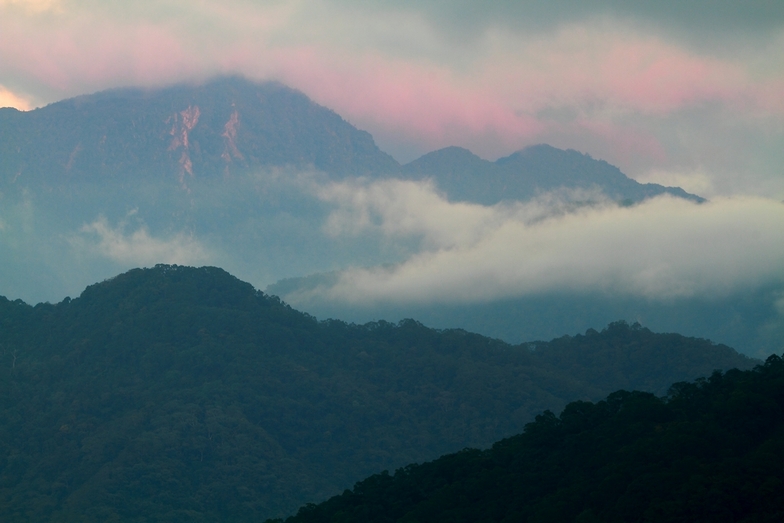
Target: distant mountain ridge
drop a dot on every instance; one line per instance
(529, 172)
(230, 126)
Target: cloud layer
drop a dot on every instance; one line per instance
(661, 249)
(138, 248)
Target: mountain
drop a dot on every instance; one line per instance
(463, 176)
(710, 451)
(224, 127)
(749, 320)
(178, 392)
(231, 126)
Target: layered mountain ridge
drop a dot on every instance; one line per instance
(177, 392)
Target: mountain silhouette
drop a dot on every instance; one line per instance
(176, 391)
(528, 173)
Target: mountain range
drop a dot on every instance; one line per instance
(526, 173)
(230, 126)
(179, 392)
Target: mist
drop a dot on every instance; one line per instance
(662, 248)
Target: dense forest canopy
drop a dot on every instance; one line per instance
(178, 392)
(710, 451)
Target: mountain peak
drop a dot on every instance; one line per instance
(540, 149)
(528, 172)
(225, 126)
(205, 286)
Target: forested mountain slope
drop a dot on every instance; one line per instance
(178, 392)
(710, 451)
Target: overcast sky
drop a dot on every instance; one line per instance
(681, 93)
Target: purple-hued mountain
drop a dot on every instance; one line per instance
(528, 172)
(231, 126)
(221, 128)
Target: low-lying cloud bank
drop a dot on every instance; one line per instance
(661, 249)
(138, 247)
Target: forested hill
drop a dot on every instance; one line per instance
(178, 392)
(711, 451)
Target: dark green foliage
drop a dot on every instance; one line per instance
(748, 320)
(710, 451)
(181, 393)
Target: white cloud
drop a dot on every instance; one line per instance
(400, 208)
(660, 249)
(138, 247)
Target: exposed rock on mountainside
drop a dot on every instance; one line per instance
(222, 127)
(231, 125)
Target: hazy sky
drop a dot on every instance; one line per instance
(681, 93)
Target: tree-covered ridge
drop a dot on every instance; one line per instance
(178, 392)
(712, 450)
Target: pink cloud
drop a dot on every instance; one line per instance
(652, 77)
(86, 54)
(420, 99)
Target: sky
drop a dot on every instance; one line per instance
(678, 93)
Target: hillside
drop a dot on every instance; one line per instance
(710, 451)
(175, 391)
